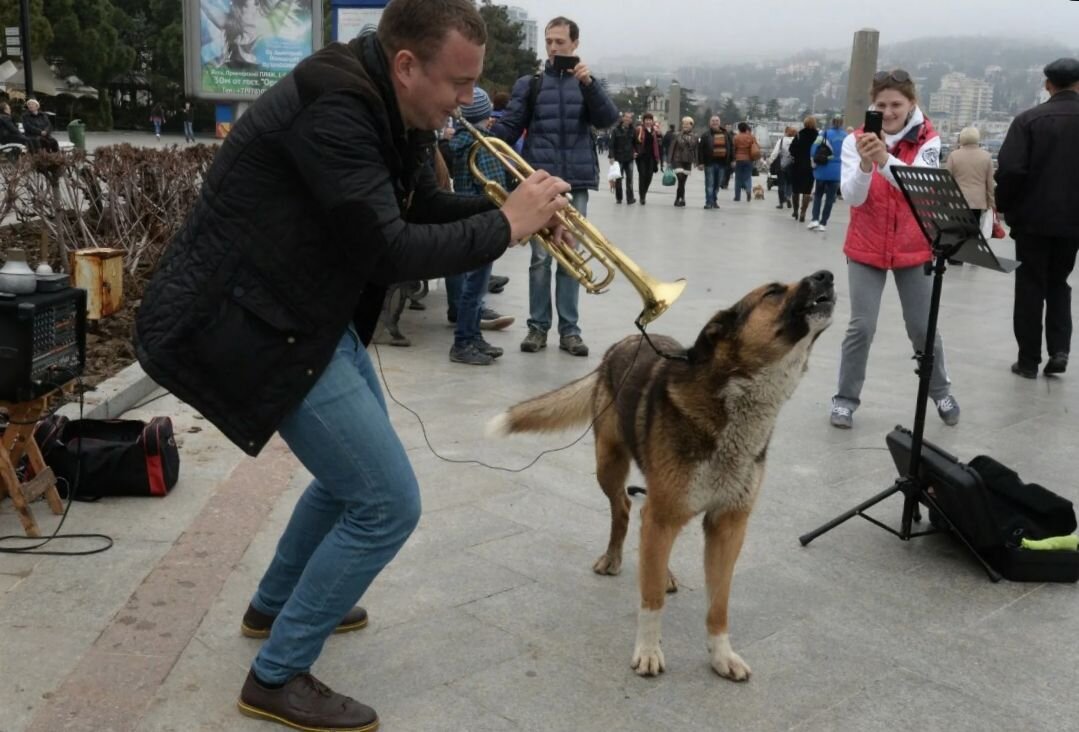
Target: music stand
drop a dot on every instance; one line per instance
(949, 224)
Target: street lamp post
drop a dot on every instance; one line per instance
(24, 31)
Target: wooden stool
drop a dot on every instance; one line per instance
(18, 441)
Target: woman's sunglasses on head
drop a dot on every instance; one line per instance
(898, 75)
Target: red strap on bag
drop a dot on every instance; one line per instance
(154, 472)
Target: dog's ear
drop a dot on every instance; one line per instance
(722, 326)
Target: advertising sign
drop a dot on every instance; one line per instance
(353, 21)
(236, 49)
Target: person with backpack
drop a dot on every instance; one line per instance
(779, 164)
(715, 148)
(558, 107)
(826, 171)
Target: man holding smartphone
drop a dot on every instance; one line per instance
(558, 108)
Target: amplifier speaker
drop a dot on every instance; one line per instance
(42, 342)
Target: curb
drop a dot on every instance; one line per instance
(114, 396)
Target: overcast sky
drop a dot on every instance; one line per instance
(763, 27)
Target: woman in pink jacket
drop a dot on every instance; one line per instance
(883, 236)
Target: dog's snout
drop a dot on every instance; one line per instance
(823, 278)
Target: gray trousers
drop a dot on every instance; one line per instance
(866, 285)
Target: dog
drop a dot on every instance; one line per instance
(758, 192)
(698, 427)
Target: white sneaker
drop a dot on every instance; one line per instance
(812, 225)
(822, 227)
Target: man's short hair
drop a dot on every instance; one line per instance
(574, 31)
(421, 26)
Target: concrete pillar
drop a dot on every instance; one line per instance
(674, 95)
(863, 64)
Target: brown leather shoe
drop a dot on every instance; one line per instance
(257, 625)
(305, 703)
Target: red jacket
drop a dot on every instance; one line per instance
(882, 231)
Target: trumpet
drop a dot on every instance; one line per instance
(657, 296)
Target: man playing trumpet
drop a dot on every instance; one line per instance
(259, 312)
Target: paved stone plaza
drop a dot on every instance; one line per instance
(491, 618)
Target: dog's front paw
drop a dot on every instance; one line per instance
(648, 660)
(608, 564)
(725, 661)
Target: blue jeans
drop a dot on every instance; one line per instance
(157, 127)
(566, 288)
(826, 189)
(189, 130)
(465, 295)
(355, 515)
(713, 178)
(743, 178)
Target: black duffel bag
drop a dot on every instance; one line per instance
(119, 457)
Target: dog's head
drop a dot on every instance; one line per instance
(768, 323)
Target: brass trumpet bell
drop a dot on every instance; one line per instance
(657, 296)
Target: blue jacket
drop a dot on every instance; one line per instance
(832, 170)
(559, 137)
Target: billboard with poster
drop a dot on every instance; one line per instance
(236, 49)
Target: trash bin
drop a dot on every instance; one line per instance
(76, 132)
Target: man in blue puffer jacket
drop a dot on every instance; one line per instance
(828, 174)
(559, 110)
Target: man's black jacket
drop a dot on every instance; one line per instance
(621, 143)
(1038, 170)
(317, 199)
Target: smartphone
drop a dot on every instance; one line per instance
(565, 63)
(874, 122)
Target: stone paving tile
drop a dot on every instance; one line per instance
(905, 699)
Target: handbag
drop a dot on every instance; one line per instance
(614, 172)
(998, 230)
(668, 177)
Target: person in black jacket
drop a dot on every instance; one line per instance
(9, 131)
(260, 310)
(800, 173)
(1037, 194)
(714, 155)
(36, 126)
(622, 153)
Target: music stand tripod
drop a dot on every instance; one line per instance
(947, 221)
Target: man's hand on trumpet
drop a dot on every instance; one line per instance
(533, 205)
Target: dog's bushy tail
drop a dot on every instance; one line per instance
(565, 407)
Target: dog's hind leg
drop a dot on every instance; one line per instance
(657, 538)
(612, 468)
(723, 536)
